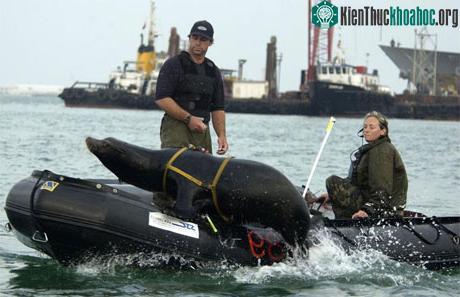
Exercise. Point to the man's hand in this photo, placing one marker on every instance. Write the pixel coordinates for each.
(222, 145)
(196, 124)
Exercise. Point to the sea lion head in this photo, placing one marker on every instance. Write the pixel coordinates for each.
(130, 163)
(105, 147)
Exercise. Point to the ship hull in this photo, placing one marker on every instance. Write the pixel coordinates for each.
(339, 99)
(106, 98)
(324, 99)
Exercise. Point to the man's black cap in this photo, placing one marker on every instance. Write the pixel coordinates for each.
(202, 28)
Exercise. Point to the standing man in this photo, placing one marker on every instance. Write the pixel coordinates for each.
(190, 91)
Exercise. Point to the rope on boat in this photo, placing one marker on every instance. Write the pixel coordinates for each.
(447, 230)
(433, 222)
(455, 236)
(438, 226)
(338, 232)
(407, 226)
(39, 232)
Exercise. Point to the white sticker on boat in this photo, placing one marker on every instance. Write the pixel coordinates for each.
(165, 222)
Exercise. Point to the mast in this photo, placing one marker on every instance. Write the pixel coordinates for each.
(319, 46)
(146, 56)
(151, 35)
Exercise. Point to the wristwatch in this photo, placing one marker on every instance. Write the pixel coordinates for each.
(187, 119)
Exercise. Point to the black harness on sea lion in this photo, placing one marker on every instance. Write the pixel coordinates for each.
(210, 186)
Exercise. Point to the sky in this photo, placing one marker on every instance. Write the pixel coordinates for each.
(56, 42)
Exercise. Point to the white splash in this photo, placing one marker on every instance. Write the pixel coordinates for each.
(326, 260)
(109, 263)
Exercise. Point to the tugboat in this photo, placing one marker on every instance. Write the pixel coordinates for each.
(130, 86)
(343, 89)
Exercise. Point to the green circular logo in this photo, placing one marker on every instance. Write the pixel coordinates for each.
(324, 15)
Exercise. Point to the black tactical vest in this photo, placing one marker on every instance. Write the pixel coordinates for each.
(195, 90)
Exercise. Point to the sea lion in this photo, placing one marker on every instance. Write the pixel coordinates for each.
(245, 191)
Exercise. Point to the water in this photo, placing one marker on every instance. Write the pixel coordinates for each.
(40, 133)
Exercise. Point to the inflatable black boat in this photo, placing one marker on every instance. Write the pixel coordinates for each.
(70, 219)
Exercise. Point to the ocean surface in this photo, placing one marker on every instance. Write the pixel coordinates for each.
(40, 133)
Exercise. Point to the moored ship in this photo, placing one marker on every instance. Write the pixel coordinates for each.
(343, 89)
(340, 89)
(433, 79)
(329, 87)
(130, 86)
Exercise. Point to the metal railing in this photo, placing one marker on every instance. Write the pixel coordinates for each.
(89, 85)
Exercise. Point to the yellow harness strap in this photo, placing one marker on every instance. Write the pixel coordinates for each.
(187, 176)
(168, 165)
(214, 186)
(196, 181)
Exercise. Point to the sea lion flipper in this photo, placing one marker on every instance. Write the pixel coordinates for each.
(184, 201)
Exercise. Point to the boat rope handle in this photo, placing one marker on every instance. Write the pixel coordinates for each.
(8, 227)
(33, 215)
(420, 236)
(36, 237)
(447, 230)
(212, 187)
(436, 225)
(338, 232)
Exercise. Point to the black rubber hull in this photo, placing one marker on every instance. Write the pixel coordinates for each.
(431, 242)
(78, 219)
(82, 218)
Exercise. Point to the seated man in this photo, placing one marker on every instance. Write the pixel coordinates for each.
(377, 182)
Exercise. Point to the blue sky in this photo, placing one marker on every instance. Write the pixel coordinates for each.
(56, 42)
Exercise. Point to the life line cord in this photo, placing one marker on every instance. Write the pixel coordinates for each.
(434, 222)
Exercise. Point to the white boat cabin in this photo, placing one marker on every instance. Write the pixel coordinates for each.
(350, 75)
(135, 81)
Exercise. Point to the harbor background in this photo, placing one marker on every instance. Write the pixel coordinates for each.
(40, 133)
(60, 43)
